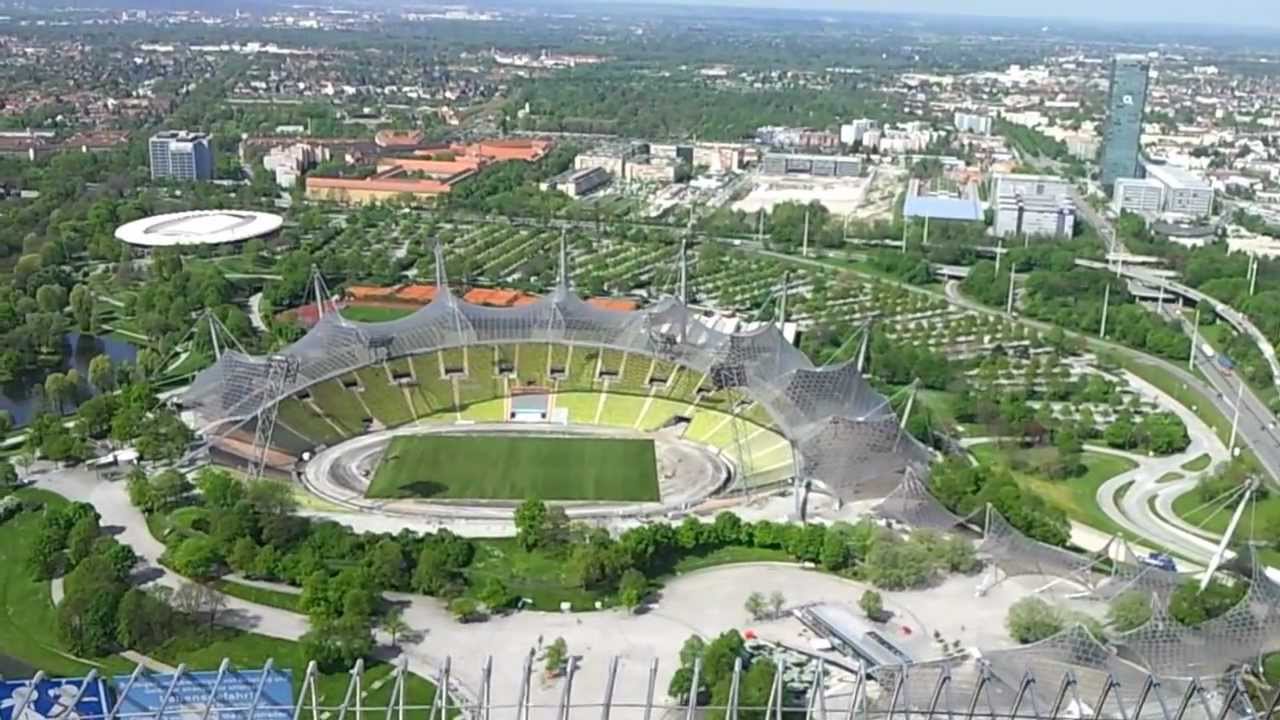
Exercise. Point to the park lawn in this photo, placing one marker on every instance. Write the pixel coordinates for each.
(1198, 463)
(375, 313)
(1265, 514)
(730, 555)
(511, 467)
(261, 596)
(28, 623)
(533, 575)
(1076, 496)
(205, 651)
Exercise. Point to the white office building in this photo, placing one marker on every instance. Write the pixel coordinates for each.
(1033, 206)
(973, 123)
(1142, 196)
(1185, 193)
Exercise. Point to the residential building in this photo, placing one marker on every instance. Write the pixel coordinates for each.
(973, 123)
(1033, 206)
(180, 155)
(851, 133)
(1126, 105)
(288, 162)
(1142, 196)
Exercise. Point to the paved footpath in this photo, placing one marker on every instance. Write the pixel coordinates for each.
(705, 603)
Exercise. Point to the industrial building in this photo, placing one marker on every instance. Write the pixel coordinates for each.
(815, 165)
(576, 183)
(927, 204)
(1033, 206)
(1126, 105)
(180, 155)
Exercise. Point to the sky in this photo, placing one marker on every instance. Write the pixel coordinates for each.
(1247, 13)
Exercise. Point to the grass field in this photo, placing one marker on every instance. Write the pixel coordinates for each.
(517, 467)
(1076, 496)
(374, 313)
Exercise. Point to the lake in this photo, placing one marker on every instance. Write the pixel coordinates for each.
(17, 396)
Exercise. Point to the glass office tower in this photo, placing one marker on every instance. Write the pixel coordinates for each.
(1126, 104)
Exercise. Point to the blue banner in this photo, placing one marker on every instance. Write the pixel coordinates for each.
(232, 701)
(52, 700)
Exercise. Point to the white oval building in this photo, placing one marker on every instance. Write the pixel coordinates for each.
(198, 227)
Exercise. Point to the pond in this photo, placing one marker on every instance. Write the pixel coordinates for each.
(22, 403)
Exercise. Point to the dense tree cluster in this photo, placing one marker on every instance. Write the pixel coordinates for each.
(719, 657)
(1073, 298)
(963, 489)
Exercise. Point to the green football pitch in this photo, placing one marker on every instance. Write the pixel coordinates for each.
(514, 467)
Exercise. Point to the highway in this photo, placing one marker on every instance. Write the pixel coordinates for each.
(1258, 427)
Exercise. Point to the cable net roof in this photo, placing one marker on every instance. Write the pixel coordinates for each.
(846, 434)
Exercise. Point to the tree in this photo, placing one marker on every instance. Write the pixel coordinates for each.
(196, 557)
(219, 489)
(632, 588)
(872, 604)
(143, 621)
(81, 301)
(167, 489)
(464, 609)
(243, 555)
(557, 656)
(1031, 619)
(1191, 606)
(393, 624)
(496, 595)
(531, 523)
(776, 602)
(1128, 611)
(335, 645)
(8, 477)
(756, 605)
(81, 539)
(193, 599)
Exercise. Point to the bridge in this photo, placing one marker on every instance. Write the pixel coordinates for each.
(1234, 318)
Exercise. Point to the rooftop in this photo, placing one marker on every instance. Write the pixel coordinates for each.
(199, 227)
(1175, 177)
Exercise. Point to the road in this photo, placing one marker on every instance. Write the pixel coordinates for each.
(1258, 427)
(1235, 318)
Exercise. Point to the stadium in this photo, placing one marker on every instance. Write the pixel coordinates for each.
(675, 410)
(198, 228)
(457, 411)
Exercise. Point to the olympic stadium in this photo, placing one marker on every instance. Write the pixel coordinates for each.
(423, 416)
(724, 413)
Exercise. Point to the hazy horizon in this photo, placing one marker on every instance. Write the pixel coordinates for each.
(1242, 13)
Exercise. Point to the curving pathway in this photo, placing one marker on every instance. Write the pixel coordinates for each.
(705, 603)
